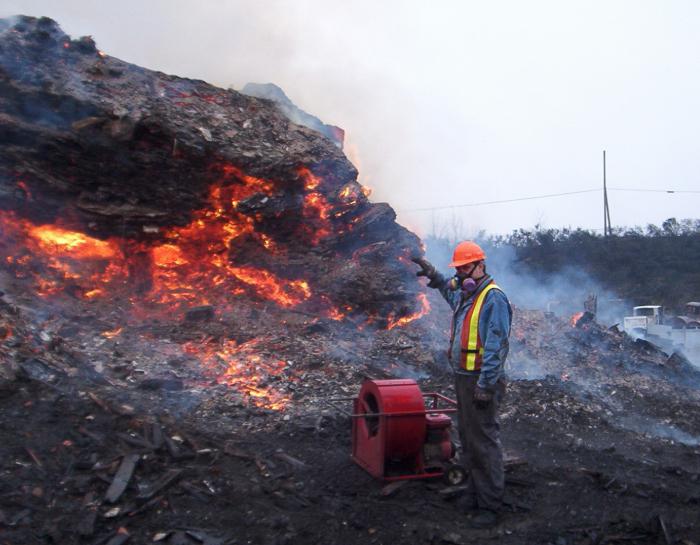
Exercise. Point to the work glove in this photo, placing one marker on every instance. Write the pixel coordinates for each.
(427, 270)
(482, 398)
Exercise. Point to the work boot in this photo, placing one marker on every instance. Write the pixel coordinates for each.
(484, 518)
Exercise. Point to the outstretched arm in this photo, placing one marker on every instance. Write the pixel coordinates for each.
(437, 281)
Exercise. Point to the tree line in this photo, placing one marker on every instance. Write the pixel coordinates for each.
(649, 265)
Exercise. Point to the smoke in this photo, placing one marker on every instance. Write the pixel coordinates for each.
(523, 367)
(562, 293)
(445, 102)
(655, 428)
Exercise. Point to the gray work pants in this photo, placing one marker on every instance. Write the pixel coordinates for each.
(482, 455)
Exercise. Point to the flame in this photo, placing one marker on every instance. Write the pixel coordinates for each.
(349, 194)
(401, 322)
(244, 368)
(55, 240)
(345, 192)
(316, 208)
(575, 318)
(311, 181)
(113, 333)
(57, 257)
(333, 312)
(265, 284)
(188, 265)
(91, 294)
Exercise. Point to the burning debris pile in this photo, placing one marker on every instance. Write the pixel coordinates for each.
(137, 197)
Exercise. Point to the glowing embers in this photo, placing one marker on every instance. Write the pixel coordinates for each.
(286, 293)
(245, 368)
(59, 259)
(332, 312)
(582, 319)
(58, 241)
(349, 194)
(194, 266)
(317, 211)
(393, 322)
(575, 318)
(190, 267)
(217, 259)
(111, 334)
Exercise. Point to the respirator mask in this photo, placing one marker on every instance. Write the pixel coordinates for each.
(463, 281)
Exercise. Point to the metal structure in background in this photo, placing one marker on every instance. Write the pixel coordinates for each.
(607, 226)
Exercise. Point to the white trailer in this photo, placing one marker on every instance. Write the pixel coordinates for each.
(649, 322)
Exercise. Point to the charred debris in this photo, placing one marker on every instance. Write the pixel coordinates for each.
(186, 275)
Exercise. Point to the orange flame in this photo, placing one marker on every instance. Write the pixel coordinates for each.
(55, 240)
(575, 318)
(242, 367)
(268, 286)
(113, 333)
(189, 265)
(316, 208)
(401, 322)
(56, 257)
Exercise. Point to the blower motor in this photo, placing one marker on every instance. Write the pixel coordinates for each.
(399, 433)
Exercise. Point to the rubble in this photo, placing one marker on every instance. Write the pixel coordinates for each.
(128, 422)
(124, 183)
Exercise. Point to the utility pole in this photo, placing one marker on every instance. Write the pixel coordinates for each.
(607, 226)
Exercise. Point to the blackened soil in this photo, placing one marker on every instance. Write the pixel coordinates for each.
(229, 474)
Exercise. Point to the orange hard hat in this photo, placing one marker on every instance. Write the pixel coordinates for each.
(467, 252)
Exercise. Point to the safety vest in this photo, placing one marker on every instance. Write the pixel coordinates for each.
(471, 344)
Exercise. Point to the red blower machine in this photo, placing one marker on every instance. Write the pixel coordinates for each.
(399, 433)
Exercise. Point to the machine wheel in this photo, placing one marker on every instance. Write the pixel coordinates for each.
(454, 475)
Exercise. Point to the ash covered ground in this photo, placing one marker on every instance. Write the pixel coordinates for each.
(601, 440)
(187, 277)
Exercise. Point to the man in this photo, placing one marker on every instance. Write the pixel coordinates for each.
(478, 349)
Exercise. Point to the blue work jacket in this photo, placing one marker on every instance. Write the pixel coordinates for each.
(494, 329)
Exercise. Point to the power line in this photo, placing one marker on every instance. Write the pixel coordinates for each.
(548, 196)
(653, 190)
(500, 201)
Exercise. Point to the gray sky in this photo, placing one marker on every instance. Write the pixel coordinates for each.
(449, 103)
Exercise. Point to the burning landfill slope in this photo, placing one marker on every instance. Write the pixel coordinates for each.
(179, 191)
(136, 197)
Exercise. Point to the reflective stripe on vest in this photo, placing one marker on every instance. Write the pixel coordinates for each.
(472, 348)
